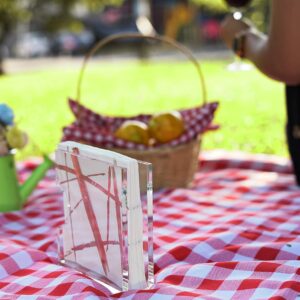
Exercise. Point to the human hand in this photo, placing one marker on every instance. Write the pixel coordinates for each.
(230, 27)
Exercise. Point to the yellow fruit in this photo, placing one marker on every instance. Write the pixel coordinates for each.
(16, 138)
(165, 127)
(133, 131)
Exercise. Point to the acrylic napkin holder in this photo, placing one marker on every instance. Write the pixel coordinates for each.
(108, 216)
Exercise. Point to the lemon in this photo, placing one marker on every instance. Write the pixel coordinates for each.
(133, 131)
(167, 126)
(16, 138)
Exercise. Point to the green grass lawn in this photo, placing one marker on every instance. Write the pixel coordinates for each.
(251, 111)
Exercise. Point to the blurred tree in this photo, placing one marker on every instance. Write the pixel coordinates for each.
(258, 11)
(10, 12)
(49, 15)
(215, 5)
(220, 5)
(53, 15)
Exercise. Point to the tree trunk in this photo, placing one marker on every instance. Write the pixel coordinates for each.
(6, 26)
(1, 65)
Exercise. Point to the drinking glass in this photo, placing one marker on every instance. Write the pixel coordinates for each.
(237, 8)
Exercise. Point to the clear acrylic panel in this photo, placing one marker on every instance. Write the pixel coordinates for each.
(108, 209)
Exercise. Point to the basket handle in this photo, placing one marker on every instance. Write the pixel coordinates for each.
(160, 38)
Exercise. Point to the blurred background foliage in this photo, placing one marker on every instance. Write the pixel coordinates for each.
(259, 11)
(51, 16)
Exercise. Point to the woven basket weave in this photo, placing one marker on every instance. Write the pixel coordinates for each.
(173, 166)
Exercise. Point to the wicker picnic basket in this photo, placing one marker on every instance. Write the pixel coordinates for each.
(174, 163)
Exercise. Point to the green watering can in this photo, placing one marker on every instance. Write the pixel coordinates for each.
(13, 196)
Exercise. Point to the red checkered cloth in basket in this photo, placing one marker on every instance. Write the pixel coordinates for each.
(233, 235)
(98, 130)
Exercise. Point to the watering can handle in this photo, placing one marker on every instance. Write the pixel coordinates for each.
(164, 39)
(30, 184)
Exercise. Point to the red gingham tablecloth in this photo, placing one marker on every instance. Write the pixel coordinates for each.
(234, 235)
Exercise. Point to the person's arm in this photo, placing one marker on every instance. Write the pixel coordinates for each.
(278, 54)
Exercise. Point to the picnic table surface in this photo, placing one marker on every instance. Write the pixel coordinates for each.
(233, 235)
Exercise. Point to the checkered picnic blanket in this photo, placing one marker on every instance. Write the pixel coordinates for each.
(233, 235)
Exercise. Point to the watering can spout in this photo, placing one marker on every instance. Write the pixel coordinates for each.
(30, 184)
